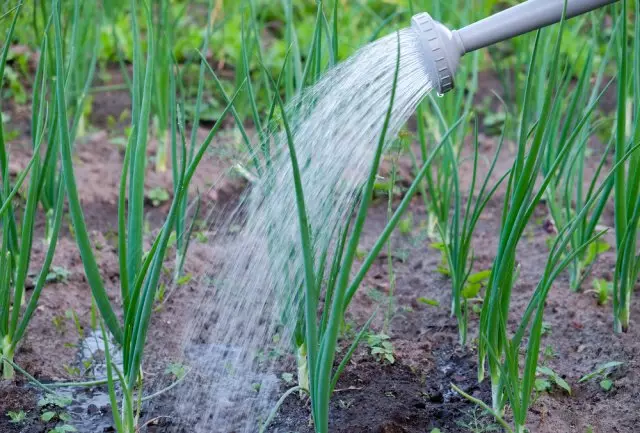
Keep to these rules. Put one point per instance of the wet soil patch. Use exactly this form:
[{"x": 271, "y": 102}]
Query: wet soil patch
[{"x": 377, "y": 398}]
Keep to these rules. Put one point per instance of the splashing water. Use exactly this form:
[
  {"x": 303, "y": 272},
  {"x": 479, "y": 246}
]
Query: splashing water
[{"x": 245, "y": 322}]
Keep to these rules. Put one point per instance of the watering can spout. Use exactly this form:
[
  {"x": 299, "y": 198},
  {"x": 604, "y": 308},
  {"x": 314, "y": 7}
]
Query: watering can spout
[{"x": 443, "y": 48}]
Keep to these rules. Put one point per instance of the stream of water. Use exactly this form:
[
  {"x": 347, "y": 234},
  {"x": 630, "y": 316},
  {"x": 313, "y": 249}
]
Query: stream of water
[{"x": 236, "y": 339}]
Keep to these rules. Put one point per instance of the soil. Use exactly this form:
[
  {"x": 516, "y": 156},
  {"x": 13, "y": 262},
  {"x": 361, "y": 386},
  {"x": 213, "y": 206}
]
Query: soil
[{"x": 411, "y": 395}]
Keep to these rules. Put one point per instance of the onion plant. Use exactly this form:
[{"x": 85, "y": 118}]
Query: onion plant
[
  {"x": 260, "y": 159},
  {"x": 140, "y": 271},
  {"x": 517, "y": 379},
  {"x": 509, "y": 382},
  {"x": 82, "y": 47},
  {"x": 517, "y": 383},
  {"x": 457, "y": 241},
  {"x": 567, "y": 194},
  {"x": 164, "y": 42},
  {"x": 183, "y": 231},
  {"x": 627, "y": 179},
  {"x": 321, "y": 337},
  {"x": 17, "y": 234},
  {"x": 520, "y": 202}
]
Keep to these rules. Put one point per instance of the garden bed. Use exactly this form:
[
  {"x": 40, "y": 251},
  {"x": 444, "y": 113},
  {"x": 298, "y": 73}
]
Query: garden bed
[{"x": 411, "y": 395}]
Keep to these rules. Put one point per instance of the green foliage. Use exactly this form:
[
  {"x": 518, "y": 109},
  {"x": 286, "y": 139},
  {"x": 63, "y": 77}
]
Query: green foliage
[
  {"x": 566, "y": 193},
  {"x": 381, "y": 347},
  {"x": 54, "y": 400},
  {"x": 511, "y": 380},
  {"x": 546, "y": 376},
  {"x": 139, "y": 273},
  {"x": 627, "y": 179},
  {"x": 431, "y": 302},
  {"x": 17, "y": 417},
  {"x": 405, "y": 226},
  {"x": 602, "y": 371},
  {"x": 555, "y": 96},
  {"x": 57, "y": 274},
  {"x": 17, "y": 233},
  {"x": 603, "y": 289},
  {"x": 158, "y": 196},
  {"x": 179, "y": 371}
]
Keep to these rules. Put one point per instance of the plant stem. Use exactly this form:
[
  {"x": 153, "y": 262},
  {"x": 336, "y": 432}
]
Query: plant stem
[
  {"x": 7, "y": 353},
  {"x": 161, "y": 153},
  {"x": 303, "y": 370},
  {"x": 392, "y": 277},
  {"x": 496, "y": 394}
]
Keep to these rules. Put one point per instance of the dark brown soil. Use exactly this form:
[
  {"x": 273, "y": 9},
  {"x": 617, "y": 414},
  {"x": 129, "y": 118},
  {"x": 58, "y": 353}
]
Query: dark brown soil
[
  {"x": 413, "y": 394},
  {"x": 16, "y": 398}
]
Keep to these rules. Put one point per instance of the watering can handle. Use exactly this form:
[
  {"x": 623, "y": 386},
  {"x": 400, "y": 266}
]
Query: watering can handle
[{"x": 520, "y": 19}]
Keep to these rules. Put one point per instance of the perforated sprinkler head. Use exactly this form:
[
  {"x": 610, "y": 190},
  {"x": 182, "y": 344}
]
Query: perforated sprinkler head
[{"x": 441, "y": 51}]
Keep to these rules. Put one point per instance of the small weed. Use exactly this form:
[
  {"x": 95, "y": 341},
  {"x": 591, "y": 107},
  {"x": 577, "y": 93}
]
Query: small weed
[
  {"x": 184, "y": 280},
  {"x": 55, "y": 401},
  {"x": 87, "y": 363},
  {"x": 72, "y": 371},
  {"x": 603, "y": 289},
  {"x": 158, "y": 196},
  {"x": 602, "y": 373},
  {"x": 375, "y": 295},
  {"x": 549, "y": 353},
  {"x": 288, "y": 378},
  {"x": 73, "y": 316},
  {"x": 52, "y": 406},
  {"x": 47, "y": 416},
  {"x": 57, "y": 275},
  {"x": 58, "y": 323},
  {"x": 177, "y": 370},
  {"x": 594, "y": 250},
  {"x": 381, "y": 347},
  {"x": 405, "y": 226},
  {"x": 346, "y": 404},
  {"x": 431, "y": 302},
  {"x": 160, "y": 293},
  {"x": 474, "y": 283},
  {"x": 477, "y": 421},
  {"x": 606, "y": 384},
  {"x": 547, "y": 378},
  {"x": 442, "y": 268},
  {"x": 17, "y": 417}
]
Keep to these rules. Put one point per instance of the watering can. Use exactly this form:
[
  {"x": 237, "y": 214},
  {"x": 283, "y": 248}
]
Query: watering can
[{"x": 443, "y": 48}]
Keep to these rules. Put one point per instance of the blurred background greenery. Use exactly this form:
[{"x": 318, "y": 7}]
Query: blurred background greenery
[{"x": 280, "y": 24}]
